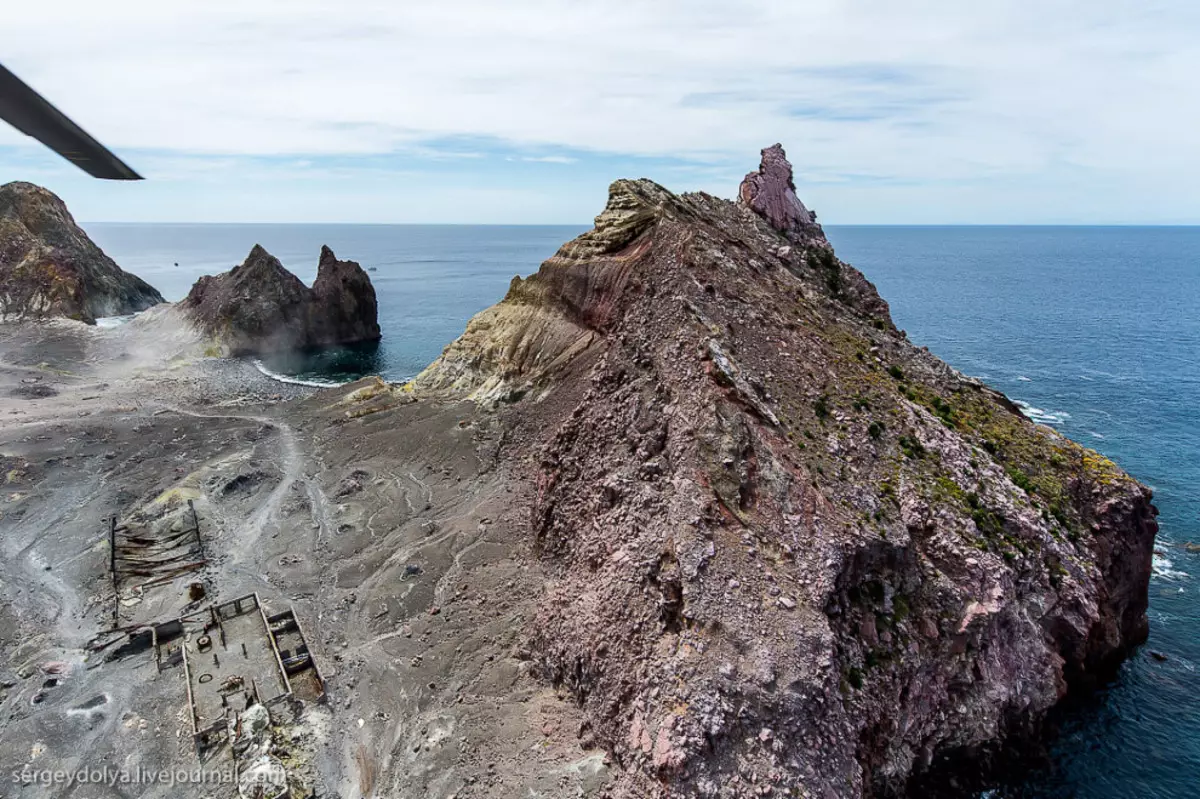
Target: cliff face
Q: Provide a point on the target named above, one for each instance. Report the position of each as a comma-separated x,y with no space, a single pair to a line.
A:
793,554
49,266
260,307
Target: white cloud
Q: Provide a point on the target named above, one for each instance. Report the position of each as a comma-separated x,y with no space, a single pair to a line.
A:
1097,94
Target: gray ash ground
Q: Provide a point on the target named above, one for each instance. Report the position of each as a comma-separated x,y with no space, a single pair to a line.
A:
394,542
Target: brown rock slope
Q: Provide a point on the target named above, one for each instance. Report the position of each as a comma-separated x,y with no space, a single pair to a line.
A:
791,553
49,266
260,307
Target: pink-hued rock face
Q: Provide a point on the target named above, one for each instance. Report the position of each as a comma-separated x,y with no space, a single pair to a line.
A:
785,541
772,194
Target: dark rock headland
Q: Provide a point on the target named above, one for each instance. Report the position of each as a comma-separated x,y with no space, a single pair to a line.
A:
50,268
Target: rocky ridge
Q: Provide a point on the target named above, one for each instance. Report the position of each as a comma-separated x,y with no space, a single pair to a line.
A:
260,307
790,552
50,268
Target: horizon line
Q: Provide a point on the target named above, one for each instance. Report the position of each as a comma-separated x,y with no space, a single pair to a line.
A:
592,224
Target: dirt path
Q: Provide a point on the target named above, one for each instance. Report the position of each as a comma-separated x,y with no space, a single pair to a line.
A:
245,551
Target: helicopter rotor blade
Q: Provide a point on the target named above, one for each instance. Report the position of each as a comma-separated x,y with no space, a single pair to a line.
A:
33,115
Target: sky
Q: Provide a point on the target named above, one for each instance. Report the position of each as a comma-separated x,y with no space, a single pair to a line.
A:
523,111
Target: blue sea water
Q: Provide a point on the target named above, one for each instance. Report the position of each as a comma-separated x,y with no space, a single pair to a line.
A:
1095,330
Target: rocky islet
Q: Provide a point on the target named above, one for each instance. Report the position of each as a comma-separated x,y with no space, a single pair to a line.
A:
689,491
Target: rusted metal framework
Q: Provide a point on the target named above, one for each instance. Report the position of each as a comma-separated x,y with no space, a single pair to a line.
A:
146,559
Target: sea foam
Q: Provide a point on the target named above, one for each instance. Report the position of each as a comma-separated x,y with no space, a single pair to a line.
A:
1042,416
298,381
114,321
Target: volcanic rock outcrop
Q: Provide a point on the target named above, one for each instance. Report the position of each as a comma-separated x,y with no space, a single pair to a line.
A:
260,307
792,553
49,266
771,192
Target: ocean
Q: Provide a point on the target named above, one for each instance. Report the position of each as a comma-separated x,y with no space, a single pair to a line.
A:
1095,331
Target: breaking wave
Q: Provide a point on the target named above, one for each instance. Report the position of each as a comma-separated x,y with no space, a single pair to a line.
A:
114,321
1041,416
1163,568
315,382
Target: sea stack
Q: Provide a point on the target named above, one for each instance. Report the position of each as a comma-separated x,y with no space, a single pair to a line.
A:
260,307
792,553
50,268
